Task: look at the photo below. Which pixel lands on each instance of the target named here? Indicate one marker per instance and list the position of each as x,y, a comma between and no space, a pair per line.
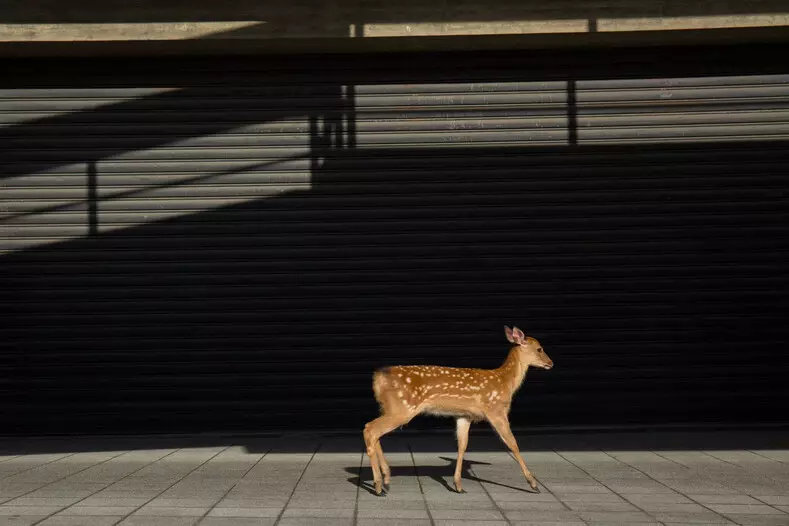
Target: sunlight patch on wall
508,114
64,32
692,22
28,105
558,25
504,27
688,110
149,185
455,115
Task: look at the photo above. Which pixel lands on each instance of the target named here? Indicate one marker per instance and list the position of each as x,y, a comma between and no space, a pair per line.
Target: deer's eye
539,350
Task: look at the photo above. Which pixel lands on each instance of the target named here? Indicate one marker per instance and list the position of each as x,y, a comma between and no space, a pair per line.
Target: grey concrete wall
278,20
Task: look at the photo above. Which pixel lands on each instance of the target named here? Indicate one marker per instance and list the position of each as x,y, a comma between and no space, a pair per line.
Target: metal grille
192,244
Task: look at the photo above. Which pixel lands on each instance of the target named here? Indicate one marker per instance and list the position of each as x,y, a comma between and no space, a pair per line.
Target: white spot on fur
408,379
400,394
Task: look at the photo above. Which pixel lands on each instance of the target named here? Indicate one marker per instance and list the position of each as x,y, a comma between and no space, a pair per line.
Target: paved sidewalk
623,479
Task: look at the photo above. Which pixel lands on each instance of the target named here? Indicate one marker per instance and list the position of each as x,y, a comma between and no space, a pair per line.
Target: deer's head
530,351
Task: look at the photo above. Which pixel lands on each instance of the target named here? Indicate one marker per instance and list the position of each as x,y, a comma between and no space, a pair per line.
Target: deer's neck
513,370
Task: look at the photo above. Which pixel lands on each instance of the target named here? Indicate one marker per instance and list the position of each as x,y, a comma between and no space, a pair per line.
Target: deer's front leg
501,424
463,426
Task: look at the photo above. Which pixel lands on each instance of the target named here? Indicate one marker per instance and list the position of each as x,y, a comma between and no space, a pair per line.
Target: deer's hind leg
385,469
375,466
373,432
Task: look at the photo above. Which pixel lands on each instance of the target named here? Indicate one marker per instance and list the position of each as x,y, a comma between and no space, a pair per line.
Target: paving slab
158,521
22,520
399,513
71,520
236,521
393,522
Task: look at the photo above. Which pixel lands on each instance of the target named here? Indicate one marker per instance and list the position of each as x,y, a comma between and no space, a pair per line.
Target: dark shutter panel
231,244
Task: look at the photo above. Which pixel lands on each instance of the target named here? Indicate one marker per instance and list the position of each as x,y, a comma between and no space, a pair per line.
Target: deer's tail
380,383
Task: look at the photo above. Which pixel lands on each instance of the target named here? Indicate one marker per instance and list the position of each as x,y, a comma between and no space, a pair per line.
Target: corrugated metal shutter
229,244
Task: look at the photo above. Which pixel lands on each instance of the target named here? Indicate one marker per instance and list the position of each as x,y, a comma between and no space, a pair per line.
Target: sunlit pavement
715,477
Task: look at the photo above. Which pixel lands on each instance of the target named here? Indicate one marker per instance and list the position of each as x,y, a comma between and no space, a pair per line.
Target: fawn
468,395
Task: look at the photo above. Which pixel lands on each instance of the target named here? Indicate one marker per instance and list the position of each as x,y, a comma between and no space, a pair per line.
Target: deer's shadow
438,473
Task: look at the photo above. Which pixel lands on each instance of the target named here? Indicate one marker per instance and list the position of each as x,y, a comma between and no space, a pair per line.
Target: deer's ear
517,336
510,335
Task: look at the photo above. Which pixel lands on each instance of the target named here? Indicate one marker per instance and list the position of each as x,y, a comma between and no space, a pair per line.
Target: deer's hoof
459,488
379,488
535,489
